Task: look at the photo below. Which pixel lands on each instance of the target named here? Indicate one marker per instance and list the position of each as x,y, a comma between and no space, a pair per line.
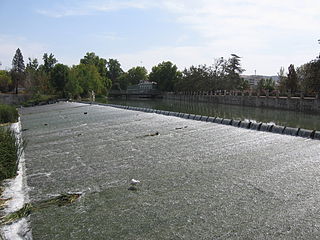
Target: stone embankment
302,104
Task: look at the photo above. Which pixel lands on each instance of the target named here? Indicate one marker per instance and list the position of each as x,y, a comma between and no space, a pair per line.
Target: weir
199,178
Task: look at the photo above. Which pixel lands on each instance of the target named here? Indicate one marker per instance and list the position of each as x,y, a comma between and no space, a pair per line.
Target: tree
165,75
233,71
134,76
59,77
6,83
114,70
309,76
85,78
48,63
93,59
292,80
266,84
17,68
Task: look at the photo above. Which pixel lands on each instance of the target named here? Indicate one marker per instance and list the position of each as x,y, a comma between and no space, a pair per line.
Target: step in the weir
291,131
255,126
305,133
218,120
278,129
236,123
245,124
226,121
197,117
192,116
211,119
204,118
317,135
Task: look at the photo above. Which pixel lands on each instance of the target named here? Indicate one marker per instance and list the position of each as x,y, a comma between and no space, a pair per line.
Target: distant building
254,79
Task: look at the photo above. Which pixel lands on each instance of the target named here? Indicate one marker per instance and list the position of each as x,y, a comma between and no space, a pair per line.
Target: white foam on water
16,191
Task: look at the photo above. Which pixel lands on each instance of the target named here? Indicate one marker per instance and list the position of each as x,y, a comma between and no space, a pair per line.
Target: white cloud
268,34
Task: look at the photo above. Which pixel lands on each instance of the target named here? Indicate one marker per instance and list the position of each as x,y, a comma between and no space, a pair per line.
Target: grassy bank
8,147
8,114
39,99
8,154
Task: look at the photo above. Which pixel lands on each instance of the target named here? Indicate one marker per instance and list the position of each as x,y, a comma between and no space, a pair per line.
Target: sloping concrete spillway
199,180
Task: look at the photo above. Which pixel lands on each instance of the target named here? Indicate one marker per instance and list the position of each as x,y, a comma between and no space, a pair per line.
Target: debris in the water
150,135
28,208
24,129
178,128
46,124
132,188
133,184
85,113
134,181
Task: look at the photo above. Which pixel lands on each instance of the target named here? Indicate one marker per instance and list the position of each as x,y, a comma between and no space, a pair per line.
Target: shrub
8,154
8,114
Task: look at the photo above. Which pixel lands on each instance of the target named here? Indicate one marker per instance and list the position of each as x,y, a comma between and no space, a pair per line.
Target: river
278,117
199,180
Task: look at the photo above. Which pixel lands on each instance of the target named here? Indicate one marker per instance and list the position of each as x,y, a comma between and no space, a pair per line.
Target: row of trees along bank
100,75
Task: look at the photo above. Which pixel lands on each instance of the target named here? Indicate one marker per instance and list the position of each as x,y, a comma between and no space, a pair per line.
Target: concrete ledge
211,119
186,116
236,123
304,133
278,129
218,120
317,135
197,117
204,118
255,126
245,124
226,121
192,116
291,131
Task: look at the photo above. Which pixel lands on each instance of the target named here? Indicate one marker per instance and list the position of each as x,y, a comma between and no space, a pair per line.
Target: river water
265,115
199,180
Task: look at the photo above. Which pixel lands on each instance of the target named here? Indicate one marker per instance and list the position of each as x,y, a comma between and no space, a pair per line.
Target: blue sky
267,34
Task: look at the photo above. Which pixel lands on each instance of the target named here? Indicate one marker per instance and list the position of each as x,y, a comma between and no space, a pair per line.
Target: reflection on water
279,117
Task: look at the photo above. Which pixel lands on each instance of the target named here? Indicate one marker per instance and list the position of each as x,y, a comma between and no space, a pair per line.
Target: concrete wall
286,103
13,98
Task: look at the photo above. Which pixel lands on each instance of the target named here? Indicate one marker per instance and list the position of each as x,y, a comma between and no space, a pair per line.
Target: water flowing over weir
16,192
199,180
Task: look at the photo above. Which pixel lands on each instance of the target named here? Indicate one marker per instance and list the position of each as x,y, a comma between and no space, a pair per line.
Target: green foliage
48,63
222,75
134,76
114,70
59,77
309,76
166,75
6,82
38,98
17,68
92,59
8,114
18,62
292,79
83,79
8,154
266,84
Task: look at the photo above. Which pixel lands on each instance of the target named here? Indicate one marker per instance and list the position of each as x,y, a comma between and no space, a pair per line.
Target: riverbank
301,104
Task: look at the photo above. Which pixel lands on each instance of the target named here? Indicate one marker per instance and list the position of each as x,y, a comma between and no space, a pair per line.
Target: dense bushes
8,114
8,154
